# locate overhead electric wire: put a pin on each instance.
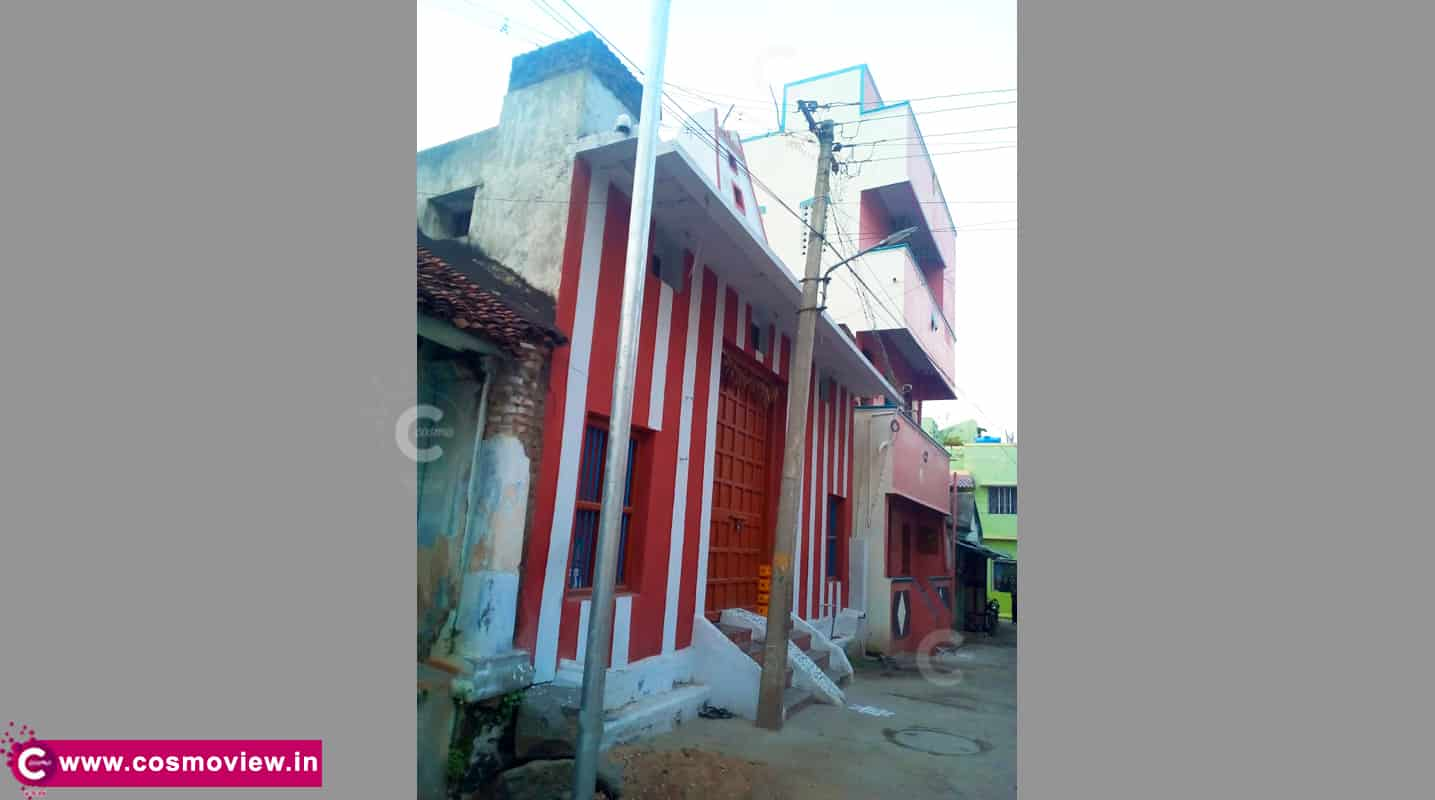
(917, 99)
(943, 153)
(866, 295)
(555, 16)
(880, 114)
(930, 135)
(510, 21)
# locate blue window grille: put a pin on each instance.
(591, 465)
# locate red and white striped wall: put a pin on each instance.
(684, 333)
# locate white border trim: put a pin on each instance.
(575, 407)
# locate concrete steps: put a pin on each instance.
(794, 698)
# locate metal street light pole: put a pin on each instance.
(600, 624)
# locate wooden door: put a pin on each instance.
(738, 539)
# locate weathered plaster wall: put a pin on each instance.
(479, 493)
(450, 382)
(522, 170)
(502, 500)
(446, 168)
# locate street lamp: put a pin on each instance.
(891, 239)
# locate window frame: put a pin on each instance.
(632, 509)
(833, 537)
(1007, 505)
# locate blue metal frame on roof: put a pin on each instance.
(861, 88)
(861, 112)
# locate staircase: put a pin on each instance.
(794, 698)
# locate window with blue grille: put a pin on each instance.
(591, 465)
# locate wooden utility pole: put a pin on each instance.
(779, 609)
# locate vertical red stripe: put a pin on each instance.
(603, 362)
(535, 561)
(809, 473)
(708, 328)
(771, 347)
(730, 318)
(841, 441)
(607, 316)
(824, 448)
(646, 633)
(850, 415)
(832, 442)
(786, 358)
(851, 438)
(848, 510)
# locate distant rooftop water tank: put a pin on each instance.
(988, 440)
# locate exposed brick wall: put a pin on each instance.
(516, 406)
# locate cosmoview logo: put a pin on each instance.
(35, 763)
(422, 433)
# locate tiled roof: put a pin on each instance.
(447, 294)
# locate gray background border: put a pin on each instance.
(1224, 390)
(207, 322)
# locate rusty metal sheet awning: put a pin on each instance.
(984, 551)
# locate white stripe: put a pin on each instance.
(545, 657)
(622, 621)
(685, 442)
(777, 351)
(660, 356)
(847, 456)
(710, 450)
(583, 613)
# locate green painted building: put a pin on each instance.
(993, 470)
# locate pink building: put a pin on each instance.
(900, 301)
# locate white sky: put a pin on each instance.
(735, 51)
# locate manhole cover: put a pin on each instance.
(938, 743)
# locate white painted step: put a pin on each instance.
(653, 714)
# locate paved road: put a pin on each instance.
(941, 741)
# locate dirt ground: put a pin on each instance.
(953, 737)
(690, 774)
